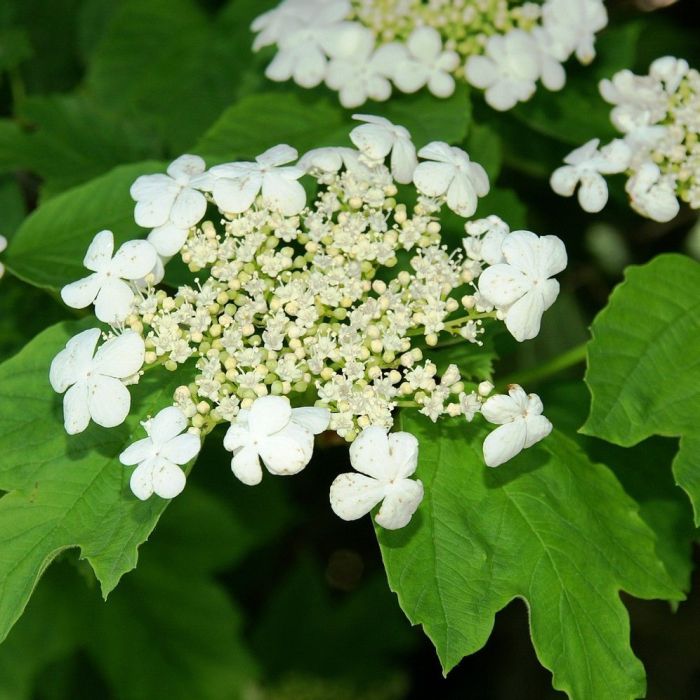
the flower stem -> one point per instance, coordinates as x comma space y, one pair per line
557, 364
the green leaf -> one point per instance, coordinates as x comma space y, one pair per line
643, 372
645, 473
166, 65
257, 122
484, 147
578, 112
65, 491
306, 120
49, 247
549, 527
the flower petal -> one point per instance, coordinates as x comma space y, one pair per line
141, 481
287, 196
133, 260
564, 180
188, 209
114, 301
137, 452
168, 479
277, 155
593, 193
99, 252
369, 454
461, 197
82, 293
74, 360
168, 239
481, 71
181, 449
166, 424
500, 409
237, 436
314, 419
186, 167
403, 161
354, 495
108, 401
374, 140
504, 443
121, 356
287, 451
76, 415
403, 448
433, 179
400, 503
269, 414
552, 256
502, 284
246, 466
523, 318
538, 427
237, 195
522, 251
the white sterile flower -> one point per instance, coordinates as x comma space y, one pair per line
573, 25
521, 422
235, 186
160, 455
3, 246
168, 239
106, 286
653, 194
378, 137
521, 287
552, 73
507, 71
274, 432
386, 461
358, 72
426, 64
304, 43
670, 71
170, 198
449, 172
93, 380
584, 165
275, 23
330, 159
640, 100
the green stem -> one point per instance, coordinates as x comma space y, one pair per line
557, 364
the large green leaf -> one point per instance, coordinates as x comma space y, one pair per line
49, 247
643, 371
65, 491
549, 527
166, 65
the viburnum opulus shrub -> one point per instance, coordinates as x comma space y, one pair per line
306, 277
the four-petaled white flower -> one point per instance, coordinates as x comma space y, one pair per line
640, 100
653, 194
521, 287
521, 422
93, 380
330, 159
235, 186
426, 64
670, 71
378, 137
171, 198
584, 165
106, 286
274, 432
358, 71
448, 171
574, 24
507, 71
386, 462
306, 40
160, 455
3, 245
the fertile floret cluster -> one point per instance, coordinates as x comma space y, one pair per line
364, 48
659, 115
308, 313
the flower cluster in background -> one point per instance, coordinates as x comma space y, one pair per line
659, 117
308, 313
364, 48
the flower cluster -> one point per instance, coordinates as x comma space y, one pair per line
304, 316
659, 117
364, 48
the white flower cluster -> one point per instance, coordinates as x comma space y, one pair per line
659, 117
333, 303
3, 245
363, 48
